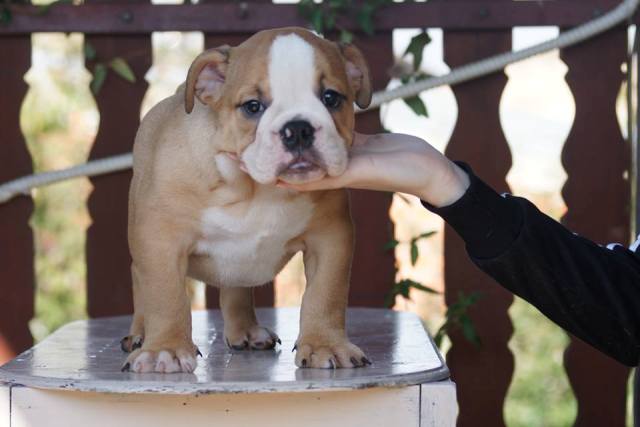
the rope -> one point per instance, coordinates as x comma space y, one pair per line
95, 167
459, 75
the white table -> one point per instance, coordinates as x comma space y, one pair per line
73, 378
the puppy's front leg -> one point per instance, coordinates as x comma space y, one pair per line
241, 328
160, 262
323, 341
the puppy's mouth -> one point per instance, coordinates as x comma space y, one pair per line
305, 166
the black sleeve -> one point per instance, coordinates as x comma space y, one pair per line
591, 291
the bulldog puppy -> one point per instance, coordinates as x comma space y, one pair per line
204, 202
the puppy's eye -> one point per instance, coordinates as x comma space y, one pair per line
252, 108
331, 99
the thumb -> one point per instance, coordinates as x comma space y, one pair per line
328, 183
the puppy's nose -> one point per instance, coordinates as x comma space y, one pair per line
297, 135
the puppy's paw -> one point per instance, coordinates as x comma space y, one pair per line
255, 338
329, 354
181, 359
131, 342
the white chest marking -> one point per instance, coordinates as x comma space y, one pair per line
246, 241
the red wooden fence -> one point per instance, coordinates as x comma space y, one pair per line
595, 157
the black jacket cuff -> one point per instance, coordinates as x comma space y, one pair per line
487, 222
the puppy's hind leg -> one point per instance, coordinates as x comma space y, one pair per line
135, 338
241, 329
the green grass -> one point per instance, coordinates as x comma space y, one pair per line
540, 394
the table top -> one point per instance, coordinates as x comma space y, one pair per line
86, 356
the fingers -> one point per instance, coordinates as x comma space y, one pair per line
322, 184
360, 138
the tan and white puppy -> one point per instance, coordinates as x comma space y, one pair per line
203, 201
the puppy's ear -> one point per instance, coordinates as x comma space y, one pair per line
358, 73
206, 76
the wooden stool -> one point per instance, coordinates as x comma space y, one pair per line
73, 378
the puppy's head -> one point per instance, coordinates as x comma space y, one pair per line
284, 98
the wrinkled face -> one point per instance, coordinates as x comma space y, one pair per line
284, 103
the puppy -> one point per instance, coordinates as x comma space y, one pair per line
204, 203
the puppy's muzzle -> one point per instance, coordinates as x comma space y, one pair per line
297, 135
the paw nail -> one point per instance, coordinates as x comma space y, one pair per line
333, 363
278, 341
126, 367
242, 346
304, 363
354, 361
295, 347
198, 353
136, 345
366, 361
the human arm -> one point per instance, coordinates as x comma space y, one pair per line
591, 291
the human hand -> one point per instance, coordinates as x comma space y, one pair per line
398, 163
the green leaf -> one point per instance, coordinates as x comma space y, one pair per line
437, 339
337, 4
330, 21
416, 47
416, 104
365, 19
44, 9
346, 36
414, 252
390, 299
391, 244
99, 75
425, 235
305, 7
122, 69
469, 331
5, 15
89, 51
423, 288
317, 20
403, 288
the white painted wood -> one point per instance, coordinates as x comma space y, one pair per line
439, 406
379, 407
5, 406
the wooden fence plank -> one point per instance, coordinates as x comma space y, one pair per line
483, 373
248, 16
597, 195
17, 281
108, 259
373, 269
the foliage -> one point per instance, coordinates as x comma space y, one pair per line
539, 394
101, 68
325, 17
6, 9
456, 315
